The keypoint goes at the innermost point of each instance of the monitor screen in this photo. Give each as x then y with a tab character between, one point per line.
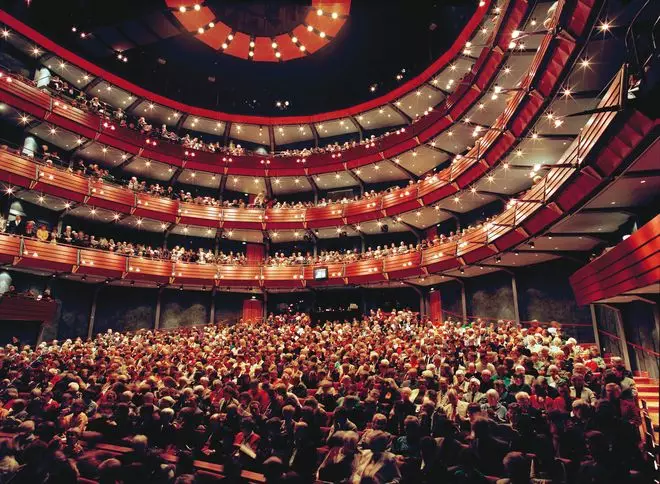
320	273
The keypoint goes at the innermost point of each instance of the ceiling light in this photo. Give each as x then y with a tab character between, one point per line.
335	15
309	28
224	45
36	51
515	34
230	37
182	9
604	27
197	7
252	43
585	63
294	39
251	53
274	45
278	55
200	30
319	12
322	35
302	48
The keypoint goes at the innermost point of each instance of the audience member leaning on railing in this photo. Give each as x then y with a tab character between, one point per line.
385	398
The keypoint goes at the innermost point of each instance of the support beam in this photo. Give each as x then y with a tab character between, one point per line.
455	215
80	147
123	164
221	187
271	138
91	85
357	179
176	175
438	89
433	146
418	233
358	126
315	188
613	209
410	174
315	133
594	323
179	124
269	188
502	198
225	135
131	107
92	311
406	118
621	334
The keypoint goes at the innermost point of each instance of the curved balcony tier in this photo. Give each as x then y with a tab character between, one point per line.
606	145
536	89
473	86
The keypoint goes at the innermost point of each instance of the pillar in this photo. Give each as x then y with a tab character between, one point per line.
514	290
594	323
464	302
621	333
157	315
92	311
435	306
212	312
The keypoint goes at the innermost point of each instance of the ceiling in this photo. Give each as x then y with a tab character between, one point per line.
382	45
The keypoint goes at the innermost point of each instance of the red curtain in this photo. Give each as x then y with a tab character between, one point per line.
254	253
252	310
435	312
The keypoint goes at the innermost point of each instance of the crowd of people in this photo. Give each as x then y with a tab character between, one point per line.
387	398
80	99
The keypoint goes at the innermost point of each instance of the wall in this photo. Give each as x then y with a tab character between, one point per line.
641	329
184	308
74	302
490	296
125	309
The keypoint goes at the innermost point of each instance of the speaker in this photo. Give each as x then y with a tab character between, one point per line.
384	229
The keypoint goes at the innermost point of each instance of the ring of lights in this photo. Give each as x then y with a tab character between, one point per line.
322	23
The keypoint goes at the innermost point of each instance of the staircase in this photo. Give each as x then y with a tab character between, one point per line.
649	391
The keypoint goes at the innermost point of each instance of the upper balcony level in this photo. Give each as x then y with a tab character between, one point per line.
439	92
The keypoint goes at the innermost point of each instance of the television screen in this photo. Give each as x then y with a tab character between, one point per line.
320	273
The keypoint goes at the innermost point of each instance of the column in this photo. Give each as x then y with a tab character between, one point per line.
435	306
92	311
594	323
158	300
514	290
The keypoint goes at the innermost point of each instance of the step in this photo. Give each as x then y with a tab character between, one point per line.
641	380
640	373
647	386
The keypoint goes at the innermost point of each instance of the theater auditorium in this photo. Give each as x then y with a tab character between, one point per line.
329	241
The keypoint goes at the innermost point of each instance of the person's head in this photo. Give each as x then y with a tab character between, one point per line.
492	397
580	408
578	380
378	442
522	399
612	391
517	466
379	422
140	443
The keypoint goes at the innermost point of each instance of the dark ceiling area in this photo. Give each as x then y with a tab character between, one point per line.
383	44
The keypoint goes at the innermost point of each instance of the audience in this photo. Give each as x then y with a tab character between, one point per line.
376	399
